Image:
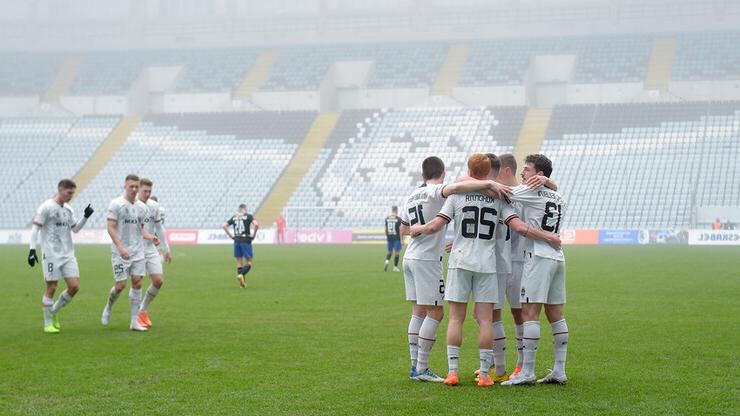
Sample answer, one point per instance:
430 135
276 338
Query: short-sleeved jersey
517 241
129 217
543 209
476 220
151 219
392 228
503 247
56 223
240 226
161 214
421 206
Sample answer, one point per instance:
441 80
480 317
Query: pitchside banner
218 236
585 237
619 237
714 238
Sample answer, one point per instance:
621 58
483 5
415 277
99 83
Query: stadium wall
18 106
706 90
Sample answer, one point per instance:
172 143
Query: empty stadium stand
399 65
707 56
203 70
27 73
372 160
203 165
644 165
603 59
37 153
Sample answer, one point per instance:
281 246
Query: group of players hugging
506 247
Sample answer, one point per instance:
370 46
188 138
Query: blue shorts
243 250
394 245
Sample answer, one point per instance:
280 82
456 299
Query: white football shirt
56 223
151 218
503 247
421 207
517 241
476 220
130 216
543 209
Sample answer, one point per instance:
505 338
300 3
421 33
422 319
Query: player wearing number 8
472 264
53 222
543 276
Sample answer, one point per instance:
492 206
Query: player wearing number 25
126 216
422 261
472 265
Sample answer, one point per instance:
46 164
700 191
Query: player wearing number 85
543 275
422 261
472 264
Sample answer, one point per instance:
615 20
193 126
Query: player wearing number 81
472 264
543 276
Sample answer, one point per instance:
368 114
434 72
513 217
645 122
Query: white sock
499 348
453 358
427 336
112 296
46 304
64 299
151 293
559 345
519 346
486 356
134 296
413 332
530 339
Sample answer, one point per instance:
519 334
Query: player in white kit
510 261
543 277
472 265
422 262
126 218
54 221
154 225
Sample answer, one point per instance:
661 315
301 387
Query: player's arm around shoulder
487 187
533 233
431 227
540 180
443 218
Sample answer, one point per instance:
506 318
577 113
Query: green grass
322 330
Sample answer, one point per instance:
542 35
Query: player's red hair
479 165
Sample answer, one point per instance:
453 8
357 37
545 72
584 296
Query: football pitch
322 330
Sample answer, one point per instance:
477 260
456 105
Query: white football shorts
461 284
424 282
543 281
55 269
